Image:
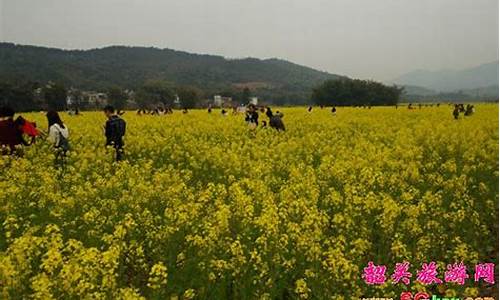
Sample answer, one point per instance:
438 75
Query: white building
220 101
217 100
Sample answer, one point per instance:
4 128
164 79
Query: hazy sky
378 39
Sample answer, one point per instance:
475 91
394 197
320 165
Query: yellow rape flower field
203 208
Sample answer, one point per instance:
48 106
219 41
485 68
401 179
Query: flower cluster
201 208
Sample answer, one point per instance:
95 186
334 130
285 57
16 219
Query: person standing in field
58 136
456 112
334 111
114 131
252 117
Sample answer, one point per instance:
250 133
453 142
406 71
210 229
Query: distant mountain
482 76
416 93
417 90
273 79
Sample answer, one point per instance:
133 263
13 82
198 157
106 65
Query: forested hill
129 67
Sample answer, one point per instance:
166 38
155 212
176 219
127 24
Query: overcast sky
377 39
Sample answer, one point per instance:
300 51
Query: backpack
118 130
63 143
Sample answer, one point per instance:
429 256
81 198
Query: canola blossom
204 208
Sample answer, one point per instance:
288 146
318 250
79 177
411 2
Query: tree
348 92
245 95
117 97
188 96
55 96
19 96
155 92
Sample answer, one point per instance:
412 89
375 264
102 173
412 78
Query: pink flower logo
421 296
406 296
418 296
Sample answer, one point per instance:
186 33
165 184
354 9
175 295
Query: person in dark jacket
114 131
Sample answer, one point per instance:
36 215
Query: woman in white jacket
58 135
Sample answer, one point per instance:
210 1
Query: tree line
355 92
28 96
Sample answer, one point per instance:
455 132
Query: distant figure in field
252 117
11 133
209 109
420 106
58 136
469 110
456 111
223 112
461 108
438 104
275 120
114 131
310 109
185 111
269 113
410 106
334 111
264 124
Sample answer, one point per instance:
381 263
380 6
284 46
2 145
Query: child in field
114 131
